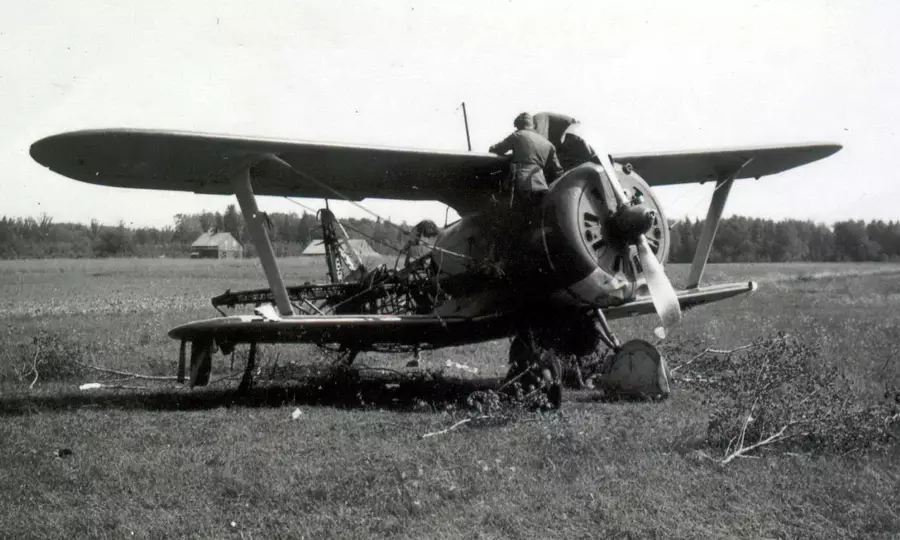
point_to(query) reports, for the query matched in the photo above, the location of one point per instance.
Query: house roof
(210, 240)
(360, 246)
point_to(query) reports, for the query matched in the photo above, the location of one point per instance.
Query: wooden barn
(212, 245)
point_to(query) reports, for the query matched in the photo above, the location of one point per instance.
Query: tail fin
(344, 264)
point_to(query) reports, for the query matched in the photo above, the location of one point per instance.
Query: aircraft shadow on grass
(395, 391)
(399, 392)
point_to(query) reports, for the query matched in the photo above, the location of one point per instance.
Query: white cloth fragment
(267, 312)
(457, 365)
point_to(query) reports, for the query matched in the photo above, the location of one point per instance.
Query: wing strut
(256, 225)
(711, 225)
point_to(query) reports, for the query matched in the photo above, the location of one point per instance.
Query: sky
(650, 76)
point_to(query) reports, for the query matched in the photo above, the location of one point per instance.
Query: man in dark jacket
(533, 162)
(570, 147)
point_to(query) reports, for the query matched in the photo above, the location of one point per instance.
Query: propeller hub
(629, 223)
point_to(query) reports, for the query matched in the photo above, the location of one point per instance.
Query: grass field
(167, 462)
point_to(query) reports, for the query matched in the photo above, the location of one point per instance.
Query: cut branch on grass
(456, 425)
(447, 430)
(126, 373)
(232, 375)
(742, 450)
(714, 351)
(98, 386)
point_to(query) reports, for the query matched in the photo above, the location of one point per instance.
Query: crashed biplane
(593, 251)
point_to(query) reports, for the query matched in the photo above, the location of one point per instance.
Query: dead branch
(715, 351)
(454, 426)
(34, 363)
(225, 377)
(115, 387)
(741, 451)
(127, 373)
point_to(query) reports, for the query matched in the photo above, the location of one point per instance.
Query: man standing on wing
(533, 163)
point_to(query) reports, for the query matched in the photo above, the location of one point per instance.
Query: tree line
(743, 239)
(29, 238)
(739, 239)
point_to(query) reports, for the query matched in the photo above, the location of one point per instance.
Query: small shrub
(780, 393)
(48, 356)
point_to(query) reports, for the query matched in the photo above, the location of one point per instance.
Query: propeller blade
(661, 291)
(596, 143)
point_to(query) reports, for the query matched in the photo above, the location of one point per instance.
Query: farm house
(360, 246)
(212, 245)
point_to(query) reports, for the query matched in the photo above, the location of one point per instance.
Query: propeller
(661, 291)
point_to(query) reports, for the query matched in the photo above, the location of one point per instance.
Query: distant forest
(739, 239)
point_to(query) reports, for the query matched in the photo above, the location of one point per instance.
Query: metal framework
(409, 291)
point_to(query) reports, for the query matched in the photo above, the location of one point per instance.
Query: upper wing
(661, 168)
(204, 163)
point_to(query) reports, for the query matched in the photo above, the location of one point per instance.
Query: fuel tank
(568, 249)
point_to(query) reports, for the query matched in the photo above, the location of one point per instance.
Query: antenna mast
(466, 120)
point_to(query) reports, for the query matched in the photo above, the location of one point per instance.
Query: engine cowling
(576, 251)
(584, 244)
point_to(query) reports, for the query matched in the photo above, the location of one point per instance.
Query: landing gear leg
(606, 334)
(534, 370)
(638, 370)
(414, 363)
(346, 357)
(247, 379)
(201, 361)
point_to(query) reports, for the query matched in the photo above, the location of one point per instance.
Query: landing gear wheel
(534, 371)
(638, 371)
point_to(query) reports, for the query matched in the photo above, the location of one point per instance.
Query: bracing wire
(351, 227)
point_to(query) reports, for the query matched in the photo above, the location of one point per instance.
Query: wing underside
(204, 163)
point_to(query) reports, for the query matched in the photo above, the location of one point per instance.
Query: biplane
(592, 251)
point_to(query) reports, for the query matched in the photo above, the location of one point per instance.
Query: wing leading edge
(664, 168)
(204, 163)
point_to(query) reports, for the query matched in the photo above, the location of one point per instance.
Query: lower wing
(369, 331)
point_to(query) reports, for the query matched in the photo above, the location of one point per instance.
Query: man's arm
(554, 169)
(503, 146)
